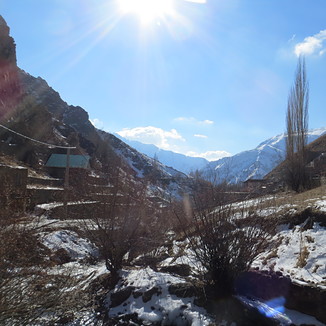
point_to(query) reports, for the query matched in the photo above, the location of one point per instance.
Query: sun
(147, 11)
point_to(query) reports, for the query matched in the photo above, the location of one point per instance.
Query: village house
(57, 163)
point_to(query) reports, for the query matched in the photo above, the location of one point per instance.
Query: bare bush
(124, 224)
(225, 239)
(30, 293)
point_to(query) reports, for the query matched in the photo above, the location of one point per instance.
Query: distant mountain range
(180, 162)
(255, 163)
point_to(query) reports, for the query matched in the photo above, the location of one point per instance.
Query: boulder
(182, 290)
(147, 296)
(117, 298)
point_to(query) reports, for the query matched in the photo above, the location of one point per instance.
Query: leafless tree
(297, 128)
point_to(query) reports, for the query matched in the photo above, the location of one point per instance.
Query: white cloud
(194, 121)
(200, 136)
(311, 44)
(97, 123)
(210, 155)
(151, 135)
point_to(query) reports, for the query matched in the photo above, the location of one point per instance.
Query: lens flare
(147, 10)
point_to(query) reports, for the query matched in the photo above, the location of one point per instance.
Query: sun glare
(147, 11)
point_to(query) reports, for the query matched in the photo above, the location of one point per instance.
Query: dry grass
(302, 259)
(299, 201)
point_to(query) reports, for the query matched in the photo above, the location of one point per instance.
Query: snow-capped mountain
(255, 163)
(180, 162)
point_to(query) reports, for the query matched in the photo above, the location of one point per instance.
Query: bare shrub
(29, 291)
(225, 239)
(20, 247)
(30, 296)
(303, 256)
(124, 223)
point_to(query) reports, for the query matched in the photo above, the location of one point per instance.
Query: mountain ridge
(255, 163)
(180, 162)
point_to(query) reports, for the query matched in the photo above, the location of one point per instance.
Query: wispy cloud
(210, 155)
(311, 45)
(200, 136)
(152, 135)
(97, 123)
(193, 121)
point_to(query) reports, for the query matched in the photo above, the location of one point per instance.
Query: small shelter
(57, 163)
(316, 170)
(255, 185)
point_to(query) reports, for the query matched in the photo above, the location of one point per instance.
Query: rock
(308, 224)
(147, 296)
(182, 290)
(308, 300)
(179, 269)
(137, 294)
(149, 260)
(102, 282)
(265, 285)
(61, 256)
(125, 320)
(117, 298)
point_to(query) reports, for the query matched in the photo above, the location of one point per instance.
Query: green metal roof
(75, 161)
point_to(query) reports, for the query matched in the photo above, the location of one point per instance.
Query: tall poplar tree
(297, 129)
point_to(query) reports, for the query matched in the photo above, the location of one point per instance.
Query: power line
(35, 140)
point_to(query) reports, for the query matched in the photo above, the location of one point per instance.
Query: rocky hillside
(314, 150)
(31, 107)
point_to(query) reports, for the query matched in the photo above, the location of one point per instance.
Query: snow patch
(78, 248)
(163, 307)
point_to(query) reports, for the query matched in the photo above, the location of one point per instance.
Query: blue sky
(198, 77)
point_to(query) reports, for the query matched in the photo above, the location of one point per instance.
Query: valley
(95, 232)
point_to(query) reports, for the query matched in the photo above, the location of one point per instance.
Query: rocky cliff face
(31, 107)
(10, 90)
(8, 47)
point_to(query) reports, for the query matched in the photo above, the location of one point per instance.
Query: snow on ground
(299, 254)
(298, 318)
(162, 307)
(44, 187)
(49, 206)
(84, 273)
(321, 205)
(275, 309)
(77, 247)
(182, 255)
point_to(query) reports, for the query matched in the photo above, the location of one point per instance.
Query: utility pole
(66, 183)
